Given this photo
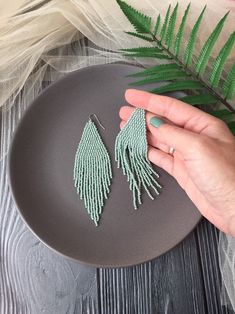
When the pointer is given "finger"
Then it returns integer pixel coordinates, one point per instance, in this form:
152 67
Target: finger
155 142
122 124
170 108
184 141
125 112
161 159
178 112
152 140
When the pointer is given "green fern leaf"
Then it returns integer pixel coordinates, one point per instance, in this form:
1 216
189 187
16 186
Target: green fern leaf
177 86
147 55
157 25
147 38
171 27
208 46
141 22
231 126
233 131
180 33
219 62
180 72
161 76
164 26
146 50
202 99
229 84
223 114
192 39
156 69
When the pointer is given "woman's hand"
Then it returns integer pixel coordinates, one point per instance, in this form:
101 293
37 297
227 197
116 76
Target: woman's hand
203 162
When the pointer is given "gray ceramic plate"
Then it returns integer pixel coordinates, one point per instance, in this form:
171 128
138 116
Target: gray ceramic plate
41 177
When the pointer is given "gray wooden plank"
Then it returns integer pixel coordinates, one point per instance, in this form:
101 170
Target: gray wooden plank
170 284
208 238
126 290
26 274
177 285
34 279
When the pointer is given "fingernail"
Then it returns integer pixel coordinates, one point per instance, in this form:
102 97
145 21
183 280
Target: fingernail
156 122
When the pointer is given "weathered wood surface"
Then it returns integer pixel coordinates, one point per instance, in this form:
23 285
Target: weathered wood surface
207 240
33 279
126 290
186 280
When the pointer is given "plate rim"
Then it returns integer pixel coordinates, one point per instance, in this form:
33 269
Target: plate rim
20 211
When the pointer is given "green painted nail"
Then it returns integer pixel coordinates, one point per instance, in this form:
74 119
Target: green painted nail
156 122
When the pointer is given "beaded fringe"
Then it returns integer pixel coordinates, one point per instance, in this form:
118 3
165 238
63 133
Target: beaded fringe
131 154
92 171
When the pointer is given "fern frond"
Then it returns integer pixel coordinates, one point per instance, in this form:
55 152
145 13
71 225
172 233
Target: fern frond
177 86
164 26
208 46
231 126
141 22
223 114
192 39
147 38
180 33
227 116
157 25
218 64
189 77
161 76
156 69
202 99
147 55
171 27
142 49
229 84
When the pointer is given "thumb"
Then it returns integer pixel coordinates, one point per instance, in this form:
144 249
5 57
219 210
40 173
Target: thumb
182 140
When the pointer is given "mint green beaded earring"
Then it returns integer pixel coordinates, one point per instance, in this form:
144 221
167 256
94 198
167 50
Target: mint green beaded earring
131 154
92 170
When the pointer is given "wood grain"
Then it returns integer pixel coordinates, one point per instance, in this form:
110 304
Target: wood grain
208 238
126 290
177 285
171 283
184 280
34 279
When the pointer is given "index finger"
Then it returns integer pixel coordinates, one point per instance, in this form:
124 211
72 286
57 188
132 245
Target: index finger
178 112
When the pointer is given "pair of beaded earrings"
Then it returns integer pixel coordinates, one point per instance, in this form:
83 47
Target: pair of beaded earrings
92 166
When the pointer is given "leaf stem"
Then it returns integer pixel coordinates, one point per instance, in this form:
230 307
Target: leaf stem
192 74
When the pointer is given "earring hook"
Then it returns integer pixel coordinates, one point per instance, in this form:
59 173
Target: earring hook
94 115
